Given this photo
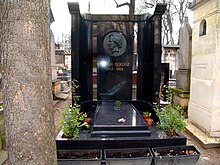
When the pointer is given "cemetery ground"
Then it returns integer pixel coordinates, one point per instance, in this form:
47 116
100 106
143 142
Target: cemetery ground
208 156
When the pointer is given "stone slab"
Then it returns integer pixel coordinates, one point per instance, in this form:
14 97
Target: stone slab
106 121
183 79
201 137
62 96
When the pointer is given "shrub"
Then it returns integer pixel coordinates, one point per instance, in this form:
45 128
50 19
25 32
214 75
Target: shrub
170 117
72 119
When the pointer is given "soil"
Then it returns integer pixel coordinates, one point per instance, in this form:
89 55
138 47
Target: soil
128 155
78 155
171 134
175 152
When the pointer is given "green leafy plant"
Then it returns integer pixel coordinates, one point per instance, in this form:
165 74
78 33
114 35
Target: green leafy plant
170 117
72 119
147 114
117 103
170 120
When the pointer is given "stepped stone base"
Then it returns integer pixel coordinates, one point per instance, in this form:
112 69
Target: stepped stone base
201 137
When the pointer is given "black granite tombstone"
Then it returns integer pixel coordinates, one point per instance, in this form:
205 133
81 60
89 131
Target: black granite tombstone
114 62
114 79
114 82
114 58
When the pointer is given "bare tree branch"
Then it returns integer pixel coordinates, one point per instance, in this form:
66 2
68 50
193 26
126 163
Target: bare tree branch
123 4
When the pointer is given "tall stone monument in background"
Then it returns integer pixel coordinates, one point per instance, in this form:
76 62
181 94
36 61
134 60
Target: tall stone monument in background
182 90
204 105
185 55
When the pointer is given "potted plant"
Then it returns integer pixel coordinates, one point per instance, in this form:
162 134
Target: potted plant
117 105
173 155
72 119
128 156
145 115
149 120
171 121
87 120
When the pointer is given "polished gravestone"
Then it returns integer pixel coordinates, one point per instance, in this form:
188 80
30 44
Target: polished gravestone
114 62
112 36
114 73
107 121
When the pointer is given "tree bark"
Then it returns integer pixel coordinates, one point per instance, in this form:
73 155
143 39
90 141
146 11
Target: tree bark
27 92
132 8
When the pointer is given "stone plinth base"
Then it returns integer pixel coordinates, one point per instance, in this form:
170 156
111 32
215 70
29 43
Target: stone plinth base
205 119
181 98
183 79
201 137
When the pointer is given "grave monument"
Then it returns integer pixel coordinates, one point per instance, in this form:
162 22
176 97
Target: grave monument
185 55
109 40
204 104
182 90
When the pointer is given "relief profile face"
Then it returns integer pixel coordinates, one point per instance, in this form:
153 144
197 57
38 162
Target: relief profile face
115 43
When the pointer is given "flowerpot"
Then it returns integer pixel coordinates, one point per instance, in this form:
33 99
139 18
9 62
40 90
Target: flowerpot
79 157
145 117
128 156
175 155
87 120
149 122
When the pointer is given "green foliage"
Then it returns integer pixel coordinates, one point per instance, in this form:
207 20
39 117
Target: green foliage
74 89
170 120
72 119
169 94
147 113
170 117
117 103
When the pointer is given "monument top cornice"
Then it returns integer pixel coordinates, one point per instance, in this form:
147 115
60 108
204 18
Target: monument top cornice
196 3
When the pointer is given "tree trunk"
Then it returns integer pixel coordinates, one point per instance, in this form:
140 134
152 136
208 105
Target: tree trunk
27 93
132 8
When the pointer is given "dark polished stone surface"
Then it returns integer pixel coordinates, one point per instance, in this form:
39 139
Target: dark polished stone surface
114 61
106 115
157 137
106 121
